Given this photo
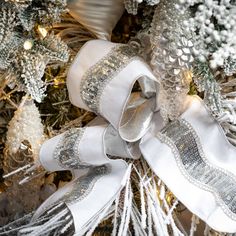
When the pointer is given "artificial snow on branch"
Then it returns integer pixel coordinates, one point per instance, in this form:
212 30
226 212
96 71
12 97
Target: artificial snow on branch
24 50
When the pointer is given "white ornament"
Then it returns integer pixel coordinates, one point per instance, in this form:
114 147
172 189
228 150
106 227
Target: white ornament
25 125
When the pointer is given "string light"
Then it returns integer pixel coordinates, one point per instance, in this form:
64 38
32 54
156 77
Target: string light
28 44
42 31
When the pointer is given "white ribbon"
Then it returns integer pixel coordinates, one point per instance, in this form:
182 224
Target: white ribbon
133 128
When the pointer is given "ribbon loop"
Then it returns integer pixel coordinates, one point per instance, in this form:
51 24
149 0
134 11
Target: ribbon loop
104 85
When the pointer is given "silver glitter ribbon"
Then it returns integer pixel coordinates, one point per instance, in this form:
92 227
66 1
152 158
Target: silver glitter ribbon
190 158
84 185
178 135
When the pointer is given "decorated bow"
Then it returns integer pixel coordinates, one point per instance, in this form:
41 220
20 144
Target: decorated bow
190 155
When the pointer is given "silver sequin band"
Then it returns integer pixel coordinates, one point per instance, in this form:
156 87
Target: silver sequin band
98 76
186 147
84 185
67 150
81 188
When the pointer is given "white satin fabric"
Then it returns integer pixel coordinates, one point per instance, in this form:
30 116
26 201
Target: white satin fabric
129 114
100 17
133 118
92 151
217 150
121 108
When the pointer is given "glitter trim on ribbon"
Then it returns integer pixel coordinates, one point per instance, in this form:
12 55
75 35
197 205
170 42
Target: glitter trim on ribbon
98 76
186 147
67 150
84 185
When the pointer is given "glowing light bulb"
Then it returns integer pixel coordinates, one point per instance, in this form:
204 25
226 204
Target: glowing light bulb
42 31
28 44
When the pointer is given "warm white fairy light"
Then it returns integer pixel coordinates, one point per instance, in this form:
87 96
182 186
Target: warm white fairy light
28 44
42 31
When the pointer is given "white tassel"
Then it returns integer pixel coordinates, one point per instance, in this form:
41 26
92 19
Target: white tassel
170 219
129 208
53 222
150 221
159 212
135 216
67 226
170 211
157 216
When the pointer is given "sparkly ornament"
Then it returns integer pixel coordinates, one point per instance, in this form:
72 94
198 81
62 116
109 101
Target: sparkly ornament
171 56
25 125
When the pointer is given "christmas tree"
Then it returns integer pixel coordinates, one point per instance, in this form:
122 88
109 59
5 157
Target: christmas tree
118 117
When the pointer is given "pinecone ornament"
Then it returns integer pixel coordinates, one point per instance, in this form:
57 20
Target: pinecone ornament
172 45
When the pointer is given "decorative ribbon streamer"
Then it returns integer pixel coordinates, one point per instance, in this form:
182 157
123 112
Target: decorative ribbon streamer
202 164
191 155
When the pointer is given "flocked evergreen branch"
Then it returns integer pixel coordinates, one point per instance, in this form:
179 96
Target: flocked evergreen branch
24 51
230 66
205 81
